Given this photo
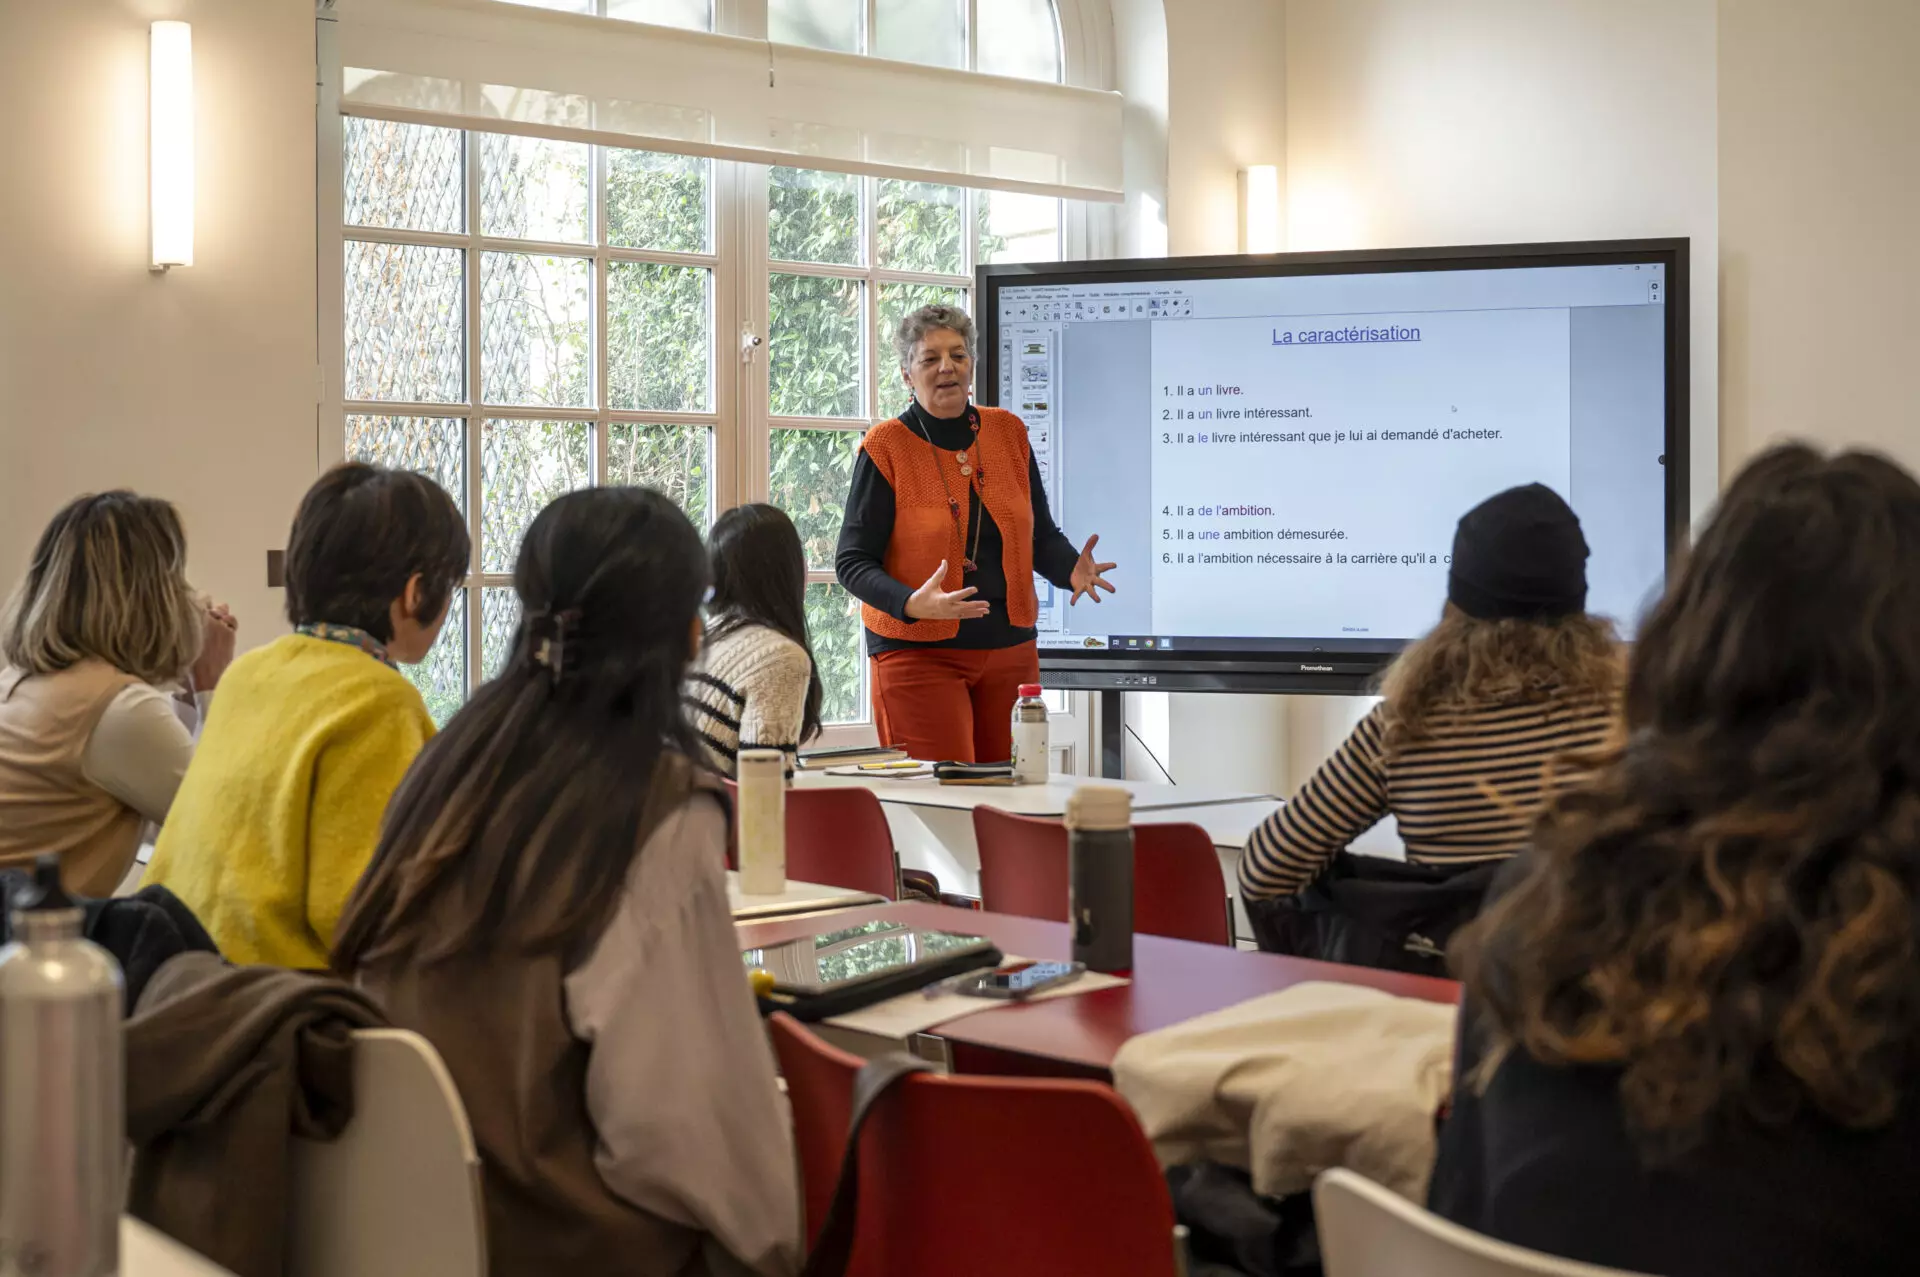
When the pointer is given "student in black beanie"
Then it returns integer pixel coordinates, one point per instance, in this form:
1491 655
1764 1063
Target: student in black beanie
1515 674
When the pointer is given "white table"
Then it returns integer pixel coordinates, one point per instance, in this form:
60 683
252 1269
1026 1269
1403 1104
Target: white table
145 1251
933 823
799 897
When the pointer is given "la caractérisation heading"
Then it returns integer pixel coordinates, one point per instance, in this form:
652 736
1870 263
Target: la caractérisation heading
1351 335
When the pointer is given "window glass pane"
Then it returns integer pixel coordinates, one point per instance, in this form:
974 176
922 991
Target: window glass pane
442 677
814 347
822 24
405 329
695 15
917 227
499 625
534 330
678 460
533 188
813 216
1018 228
657 201
659 336
927 32
523 466
896 302
833 625
1019 37
433 446
811 471
404 175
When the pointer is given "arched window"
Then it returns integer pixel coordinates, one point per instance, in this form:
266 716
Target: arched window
523 316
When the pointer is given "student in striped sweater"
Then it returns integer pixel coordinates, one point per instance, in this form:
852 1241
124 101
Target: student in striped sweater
755 686
1460 749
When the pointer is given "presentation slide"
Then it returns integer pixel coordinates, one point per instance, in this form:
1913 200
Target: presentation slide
1280 461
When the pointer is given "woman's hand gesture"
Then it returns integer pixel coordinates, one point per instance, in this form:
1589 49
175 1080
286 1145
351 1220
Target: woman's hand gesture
1088 578
931 603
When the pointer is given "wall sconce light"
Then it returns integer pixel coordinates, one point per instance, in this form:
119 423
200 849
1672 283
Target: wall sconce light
1260 208
170 146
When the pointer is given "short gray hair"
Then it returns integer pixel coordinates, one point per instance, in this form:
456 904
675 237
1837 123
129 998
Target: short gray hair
915 326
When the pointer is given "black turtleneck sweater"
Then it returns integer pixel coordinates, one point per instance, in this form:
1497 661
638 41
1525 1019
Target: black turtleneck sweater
867 528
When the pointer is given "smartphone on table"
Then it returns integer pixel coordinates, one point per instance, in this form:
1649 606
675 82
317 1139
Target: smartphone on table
1015 980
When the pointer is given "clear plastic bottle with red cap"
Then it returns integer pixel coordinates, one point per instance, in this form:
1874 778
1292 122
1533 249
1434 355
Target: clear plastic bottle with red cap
1030 736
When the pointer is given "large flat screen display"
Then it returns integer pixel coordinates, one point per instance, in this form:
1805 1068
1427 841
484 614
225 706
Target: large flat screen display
1276 449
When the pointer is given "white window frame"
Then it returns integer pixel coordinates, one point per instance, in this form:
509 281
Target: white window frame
739 418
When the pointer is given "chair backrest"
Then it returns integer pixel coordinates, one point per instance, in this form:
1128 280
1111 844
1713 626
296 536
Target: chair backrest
1178 890
1018 1177
1370 1231
398 1194
835 837
840 837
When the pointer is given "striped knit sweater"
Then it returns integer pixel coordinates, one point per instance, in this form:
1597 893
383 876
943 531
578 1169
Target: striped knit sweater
1467 791
749 691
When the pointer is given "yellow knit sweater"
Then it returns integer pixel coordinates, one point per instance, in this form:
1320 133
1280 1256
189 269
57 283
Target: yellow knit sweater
279 812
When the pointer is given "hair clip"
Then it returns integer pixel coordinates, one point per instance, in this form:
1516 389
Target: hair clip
548 630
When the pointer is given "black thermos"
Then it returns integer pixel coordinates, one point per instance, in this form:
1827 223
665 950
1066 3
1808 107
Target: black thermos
1100 877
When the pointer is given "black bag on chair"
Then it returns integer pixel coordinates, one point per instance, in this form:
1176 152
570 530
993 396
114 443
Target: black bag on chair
1368 911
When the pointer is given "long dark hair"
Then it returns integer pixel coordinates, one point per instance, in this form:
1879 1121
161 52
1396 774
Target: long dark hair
1726 910
523 817
760 578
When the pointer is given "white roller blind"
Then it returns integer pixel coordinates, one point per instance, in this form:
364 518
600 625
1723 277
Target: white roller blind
489 65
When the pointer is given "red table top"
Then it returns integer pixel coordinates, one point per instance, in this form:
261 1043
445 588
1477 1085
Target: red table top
1173 980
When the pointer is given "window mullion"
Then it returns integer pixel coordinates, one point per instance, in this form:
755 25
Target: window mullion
476 424
597 174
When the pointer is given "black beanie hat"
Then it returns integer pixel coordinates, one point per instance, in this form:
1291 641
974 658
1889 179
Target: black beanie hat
1519 554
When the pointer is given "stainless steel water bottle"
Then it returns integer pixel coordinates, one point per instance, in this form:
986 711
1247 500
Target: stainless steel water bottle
62 1097
1100 877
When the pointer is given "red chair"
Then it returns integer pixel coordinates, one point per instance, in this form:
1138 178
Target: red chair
1177 887
840 837
960 1176
836 837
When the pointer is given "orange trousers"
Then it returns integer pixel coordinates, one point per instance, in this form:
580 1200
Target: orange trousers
949 704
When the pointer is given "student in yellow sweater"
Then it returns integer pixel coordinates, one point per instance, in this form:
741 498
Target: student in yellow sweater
309 736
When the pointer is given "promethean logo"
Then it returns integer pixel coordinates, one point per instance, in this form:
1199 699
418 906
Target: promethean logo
1316 669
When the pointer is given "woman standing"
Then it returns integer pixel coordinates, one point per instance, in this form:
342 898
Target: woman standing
946 525
107 658
755 685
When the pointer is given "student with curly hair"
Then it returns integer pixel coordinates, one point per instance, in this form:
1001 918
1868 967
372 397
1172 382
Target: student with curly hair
1693 1019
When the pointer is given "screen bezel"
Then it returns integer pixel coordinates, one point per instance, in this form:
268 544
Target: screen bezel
1309 669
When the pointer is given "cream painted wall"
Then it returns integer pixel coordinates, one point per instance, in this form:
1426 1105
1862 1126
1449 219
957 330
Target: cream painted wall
1819 224
1407 122
1493 121
198 385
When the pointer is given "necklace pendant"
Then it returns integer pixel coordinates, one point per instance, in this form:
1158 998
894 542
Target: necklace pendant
971 566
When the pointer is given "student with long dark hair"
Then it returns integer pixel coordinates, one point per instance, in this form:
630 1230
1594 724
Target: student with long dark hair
756 686
548 907
1692 1036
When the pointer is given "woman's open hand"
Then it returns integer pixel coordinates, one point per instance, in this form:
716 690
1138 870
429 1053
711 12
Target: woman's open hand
1088 578
931 603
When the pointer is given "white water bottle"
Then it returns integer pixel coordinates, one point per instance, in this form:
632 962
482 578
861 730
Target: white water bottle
763 822
1030 736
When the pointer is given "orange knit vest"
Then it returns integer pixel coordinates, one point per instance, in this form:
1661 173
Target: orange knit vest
924 529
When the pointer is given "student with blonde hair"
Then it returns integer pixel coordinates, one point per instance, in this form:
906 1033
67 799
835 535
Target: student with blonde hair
107 657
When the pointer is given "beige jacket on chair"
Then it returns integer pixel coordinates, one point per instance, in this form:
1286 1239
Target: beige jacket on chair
1285 1086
